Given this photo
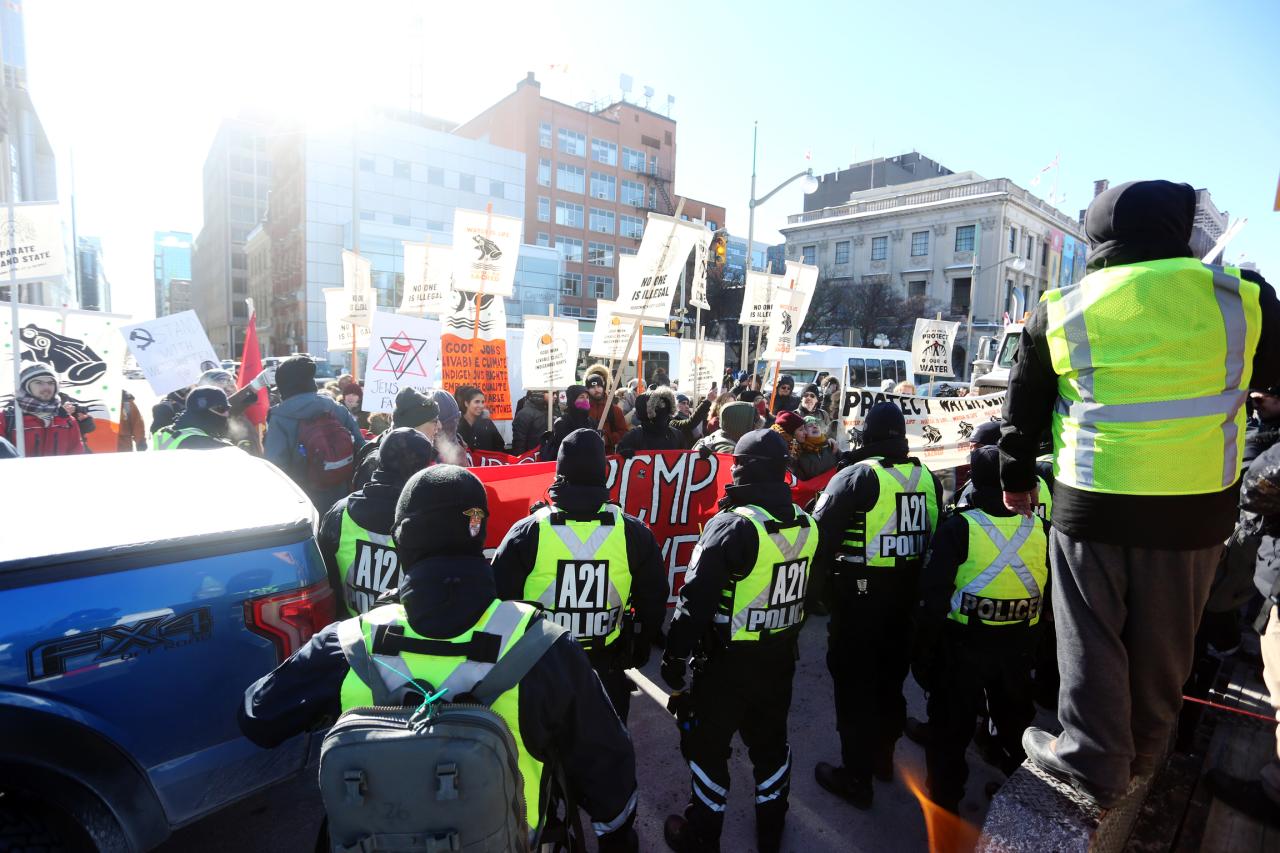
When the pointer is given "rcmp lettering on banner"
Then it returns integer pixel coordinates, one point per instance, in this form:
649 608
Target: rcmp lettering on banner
582 598
999 609
377 570
786 598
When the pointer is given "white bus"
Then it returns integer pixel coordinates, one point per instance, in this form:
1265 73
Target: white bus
868 367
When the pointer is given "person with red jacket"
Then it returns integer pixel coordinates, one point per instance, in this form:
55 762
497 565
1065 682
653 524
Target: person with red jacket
596 381
48 429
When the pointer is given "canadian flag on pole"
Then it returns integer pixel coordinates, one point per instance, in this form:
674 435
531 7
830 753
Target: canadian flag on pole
250 367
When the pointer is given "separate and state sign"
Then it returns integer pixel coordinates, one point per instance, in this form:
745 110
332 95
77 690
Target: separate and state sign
486 248
549 353
172 351
428 279
931 347
37 249
404 352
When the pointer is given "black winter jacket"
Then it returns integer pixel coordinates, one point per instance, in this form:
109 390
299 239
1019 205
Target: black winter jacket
482 435
528 425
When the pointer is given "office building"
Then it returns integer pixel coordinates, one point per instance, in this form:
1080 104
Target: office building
1209 224
592 174
92 288
930 238
237 178
172 253
735 259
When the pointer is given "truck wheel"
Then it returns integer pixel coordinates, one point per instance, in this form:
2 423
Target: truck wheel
27 826
53 814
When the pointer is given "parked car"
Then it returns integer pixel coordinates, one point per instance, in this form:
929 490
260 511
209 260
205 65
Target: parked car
132 625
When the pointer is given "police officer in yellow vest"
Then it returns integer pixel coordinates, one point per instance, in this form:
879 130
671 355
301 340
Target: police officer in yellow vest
558 711
355 535
877 516
986 435
202 426
1142 369
740 612
982 593
598 571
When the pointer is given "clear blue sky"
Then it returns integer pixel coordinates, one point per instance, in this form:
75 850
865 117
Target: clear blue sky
1188 91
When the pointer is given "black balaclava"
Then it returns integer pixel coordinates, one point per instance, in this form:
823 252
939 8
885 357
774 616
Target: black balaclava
984 468
760 457
987 433
207 410
402 453
1140 221
441 513
580 460
578 417
296 375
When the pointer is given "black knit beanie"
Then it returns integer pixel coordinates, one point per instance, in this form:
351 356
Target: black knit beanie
296 375
580 461
760 456
884 421
414 409
403 452
441 513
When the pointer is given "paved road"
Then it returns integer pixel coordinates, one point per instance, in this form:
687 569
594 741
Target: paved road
287 817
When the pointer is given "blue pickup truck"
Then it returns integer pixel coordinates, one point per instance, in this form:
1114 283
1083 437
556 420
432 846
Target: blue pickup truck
140 593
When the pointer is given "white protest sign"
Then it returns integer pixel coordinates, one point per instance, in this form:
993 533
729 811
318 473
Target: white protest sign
428 279
647 286
403 353
701 365
357 284
486 248
338 329
38 250
931 346
790 304
939 429
609 340
805 279
698 287
756 304
548 353
172 351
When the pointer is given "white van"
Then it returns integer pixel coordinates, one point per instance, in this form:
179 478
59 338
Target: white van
868 367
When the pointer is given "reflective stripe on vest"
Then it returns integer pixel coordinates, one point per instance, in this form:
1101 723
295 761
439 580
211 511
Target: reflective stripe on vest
368 564
771 598
167 438
1002 581
581 574
508 620
1178 331
893 536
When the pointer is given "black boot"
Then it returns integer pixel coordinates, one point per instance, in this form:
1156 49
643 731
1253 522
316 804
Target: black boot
839 781
682 838
882 768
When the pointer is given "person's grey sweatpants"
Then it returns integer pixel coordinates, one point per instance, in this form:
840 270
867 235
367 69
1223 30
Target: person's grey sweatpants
1126 620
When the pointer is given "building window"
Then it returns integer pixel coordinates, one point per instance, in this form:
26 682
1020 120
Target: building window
1031 247
438 225
467 183
960 288
623 250
630 226
400 169
544 239
366 164
544 172
601 220
964 238
571 283
570 249
496 190
842 252
400 220
809 255
916 289
919 243
571 179
601 286
1044 254
600 254
569 215
435 176
572 142
368 215
571 310
632 160
632 193
879 248
1013 240
544 209
603 186
604 152
544 134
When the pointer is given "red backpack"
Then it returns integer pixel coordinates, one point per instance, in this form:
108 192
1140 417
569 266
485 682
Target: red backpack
328 452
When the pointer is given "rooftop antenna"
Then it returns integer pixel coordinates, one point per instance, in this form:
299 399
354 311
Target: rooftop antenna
624 83
648 96
671 99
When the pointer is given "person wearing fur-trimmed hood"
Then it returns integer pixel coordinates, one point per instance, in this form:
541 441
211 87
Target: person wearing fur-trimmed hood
653 414
597 381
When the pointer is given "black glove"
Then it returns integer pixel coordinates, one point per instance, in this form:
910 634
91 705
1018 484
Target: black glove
673 670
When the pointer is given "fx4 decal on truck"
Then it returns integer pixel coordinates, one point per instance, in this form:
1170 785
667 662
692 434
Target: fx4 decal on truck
127 640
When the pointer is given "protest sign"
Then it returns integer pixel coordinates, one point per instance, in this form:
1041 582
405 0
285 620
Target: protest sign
37 241
790 305
357 284
698 287
428 279
403 353
548 353
474 349
338 329
486 248
647 286
802 277
85 352
931 346
172 351
938 428
756 298
609 339
701 365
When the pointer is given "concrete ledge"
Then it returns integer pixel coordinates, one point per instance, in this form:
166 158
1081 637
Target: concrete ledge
1032 811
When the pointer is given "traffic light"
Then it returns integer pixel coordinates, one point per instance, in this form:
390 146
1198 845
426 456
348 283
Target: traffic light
718 250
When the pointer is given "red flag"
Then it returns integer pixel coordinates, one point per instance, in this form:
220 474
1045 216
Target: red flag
250 367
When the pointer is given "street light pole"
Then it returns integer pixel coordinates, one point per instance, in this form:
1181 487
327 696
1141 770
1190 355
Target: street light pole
751 234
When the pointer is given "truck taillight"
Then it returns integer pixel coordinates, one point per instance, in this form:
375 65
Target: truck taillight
288 619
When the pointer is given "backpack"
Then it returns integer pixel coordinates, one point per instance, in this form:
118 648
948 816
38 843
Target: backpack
444 777
327 450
